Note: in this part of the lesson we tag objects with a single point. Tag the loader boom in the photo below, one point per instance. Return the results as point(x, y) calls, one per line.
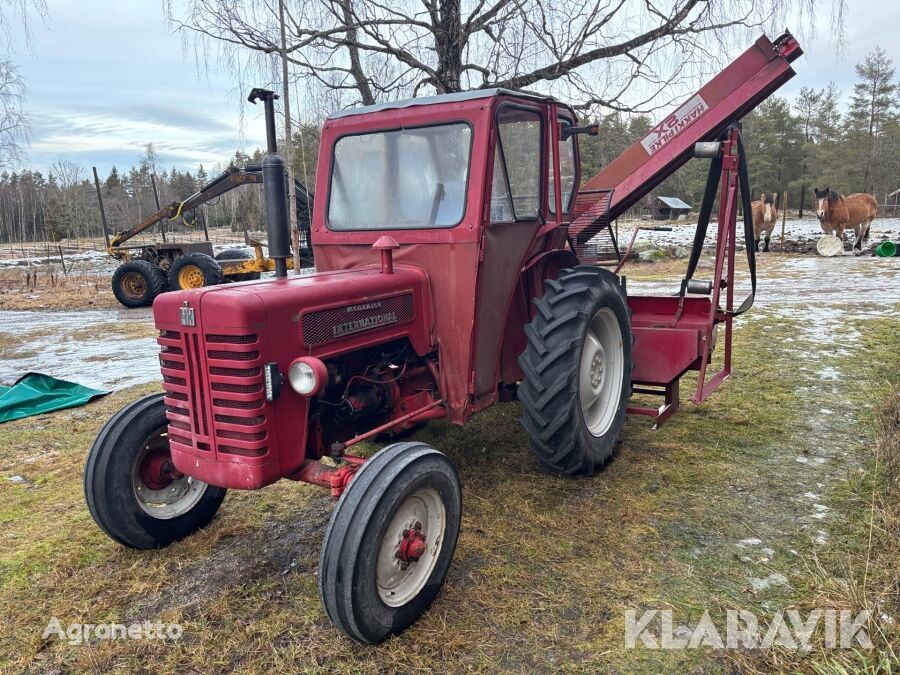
point(226, 181)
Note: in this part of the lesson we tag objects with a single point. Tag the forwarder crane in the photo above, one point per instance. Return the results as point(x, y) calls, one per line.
point(150, 269)
point(449, 277)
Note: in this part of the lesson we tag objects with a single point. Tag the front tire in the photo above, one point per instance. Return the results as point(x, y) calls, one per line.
point(132, 490)
point(577, 367)
point(389, 542)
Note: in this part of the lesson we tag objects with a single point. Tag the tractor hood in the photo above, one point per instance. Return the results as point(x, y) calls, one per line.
point(224, 347)
point(317, 314)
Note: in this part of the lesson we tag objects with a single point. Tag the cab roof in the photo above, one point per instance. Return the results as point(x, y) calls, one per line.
point(456, 97)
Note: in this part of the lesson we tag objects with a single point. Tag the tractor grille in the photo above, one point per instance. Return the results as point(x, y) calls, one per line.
point(214, 392)
point(332, 324)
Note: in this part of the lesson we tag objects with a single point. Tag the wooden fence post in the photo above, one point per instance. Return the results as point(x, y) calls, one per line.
point(62, 260)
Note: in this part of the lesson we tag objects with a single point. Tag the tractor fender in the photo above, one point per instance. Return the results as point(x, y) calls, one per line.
point(545, 265)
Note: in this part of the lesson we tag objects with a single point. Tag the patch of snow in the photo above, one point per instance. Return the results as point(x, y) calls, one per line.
point(100, 359)
point(774, 579)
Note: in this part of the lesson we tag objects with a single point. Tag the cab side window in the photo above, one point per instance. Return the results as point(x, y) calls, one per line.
point(516, 187)
point(566, 150)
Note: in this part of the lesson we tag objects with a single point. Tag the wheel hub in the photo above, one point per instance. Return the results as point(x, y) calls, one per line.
point(597, 369)
point(190, 276)
point(159, 488)
point(133, 285)
point(601, 372)
point(157, 470)
point(412, 545)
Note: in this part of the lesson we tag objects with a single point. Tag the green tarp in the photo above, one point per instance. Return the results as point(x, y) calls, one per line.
point(35, 394)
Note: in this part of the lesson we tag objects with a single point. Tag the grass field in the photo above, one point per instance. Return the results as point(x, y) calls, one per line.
point(545, 566)
point(767, 497)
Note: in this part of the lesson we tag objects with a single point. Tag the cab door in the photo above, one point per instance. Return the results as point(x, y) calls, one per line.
point(513, 215)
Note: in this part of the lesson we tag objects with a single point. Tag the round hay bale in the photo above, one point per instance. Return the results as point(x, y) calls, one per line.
point(829, 246)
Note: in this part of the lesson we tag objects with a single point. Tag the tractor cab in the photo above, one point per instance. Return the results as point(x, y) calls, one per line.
point(465, 186)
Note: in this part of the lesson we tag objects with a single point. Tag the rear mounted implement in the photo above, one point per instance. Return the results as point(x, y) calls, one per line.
point(453, 239)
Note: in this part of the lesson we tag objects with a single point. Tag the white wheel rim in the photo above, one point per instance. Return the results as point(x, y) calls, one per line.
point(174, 500)
point(400, 582)
point(601, 372)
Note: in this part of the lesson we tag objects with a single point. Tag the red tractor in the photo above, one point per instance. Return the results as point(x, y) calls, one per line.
point(451, 241)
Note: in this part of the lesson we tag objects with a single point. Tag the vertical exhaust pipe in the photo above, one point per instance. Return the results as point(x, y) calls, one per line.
point(274, 188)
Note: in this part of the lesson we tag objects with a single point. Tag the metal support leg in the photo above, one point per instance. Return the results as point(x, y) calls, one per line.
point(723, 278)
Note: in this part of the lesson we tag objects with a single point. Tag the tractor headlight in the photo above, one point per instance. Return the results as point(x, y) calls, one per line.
point(307, 375)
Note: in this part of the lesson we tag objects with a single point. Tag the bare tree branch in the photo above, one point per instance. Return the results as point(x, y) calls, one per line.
point(622, 55)
point(13, 120)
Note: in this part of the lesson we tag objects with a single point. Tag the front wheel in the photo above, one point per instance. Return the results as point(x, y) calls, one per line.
point(390, 540)
point(577, 366)
point(133, 491)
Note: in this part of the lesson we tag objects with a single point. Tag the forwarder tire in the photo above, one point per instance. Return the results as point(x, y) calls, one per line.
point(194, 270)
point(132, 493)
point(577, 371)
point(135, 283)
point(371, 589)
point(238, 253)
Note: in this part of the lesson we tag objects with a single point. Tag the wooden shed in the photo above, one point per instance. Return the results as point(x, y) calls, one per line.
point(669, 208)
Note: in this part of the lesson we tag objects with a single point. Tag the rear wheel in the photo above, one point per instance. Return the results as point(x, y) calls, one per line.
point(135, 283)
point(133, 491)
point(390, 540)
point(577, 367)
point(194, 270)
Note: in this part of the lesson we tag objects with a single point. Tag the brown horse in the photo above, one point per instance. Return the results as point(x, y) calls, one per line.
point(837, 213)
point(765, 214)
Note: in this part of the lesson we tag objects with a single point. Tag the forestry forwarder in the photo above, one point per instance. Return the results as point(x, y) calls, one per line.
point(149, 270)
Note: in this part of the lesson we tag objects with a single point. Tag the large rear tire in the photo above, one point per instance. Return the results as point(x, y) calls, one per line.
point(137, 282)
point(577, 367)
point(194, 270)
point(390, 541)
point(132, 490)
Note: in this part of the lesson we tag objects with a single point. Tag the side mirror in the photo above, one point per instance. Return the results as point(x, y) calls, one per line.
point(567, 132)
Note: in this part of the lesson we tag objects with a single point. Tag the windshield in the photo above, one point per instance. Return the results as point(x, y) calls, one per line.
point(402, 179)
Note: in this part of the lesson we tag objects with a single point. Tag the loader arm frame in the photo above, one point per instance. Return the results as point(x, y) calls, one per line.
point(226, 181)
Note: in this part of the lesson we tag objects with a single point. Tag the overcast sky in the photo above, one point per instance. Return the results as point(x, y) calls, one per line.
point(108, 77)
